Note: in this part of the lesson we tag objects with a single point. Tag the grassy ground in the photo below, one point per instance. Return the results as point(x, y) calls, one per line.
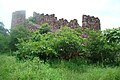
point(12, 69)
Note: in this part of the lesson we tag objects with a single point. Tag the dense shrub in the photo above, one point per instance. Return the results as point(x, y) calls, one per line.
point(4, 43)
point(64, 44)
point(3, 30)
point(100, 48)
point(32, 19)
point(67, 43)
point(4, 38)
point(113, 35)
point(16, 33)
point(44, 28)
point(10, 69)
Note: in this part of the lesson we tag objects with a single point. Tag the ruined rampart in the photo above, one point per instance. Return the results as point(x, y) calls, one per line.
point(91, 22)
point(19, 18)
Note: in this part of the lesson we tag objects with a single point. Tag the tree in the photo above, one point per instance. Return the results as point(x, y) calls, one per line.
point(2, 29)
point(16, 34)
point(44, 28)
point(31, 19)
point(113, 35)
point(63, 44)
point(103, 47)
point(4, 38)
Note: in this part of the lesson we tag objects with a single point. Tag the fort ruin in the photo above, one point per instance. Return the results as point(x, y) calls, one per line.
point(19, 18)
point(91, 22)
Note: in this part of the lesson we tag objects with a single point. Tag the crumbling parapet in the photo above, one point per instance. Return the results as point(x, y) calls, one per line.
point(74, 23)
point(18, 18)
point(91, 22)
point(53, 21)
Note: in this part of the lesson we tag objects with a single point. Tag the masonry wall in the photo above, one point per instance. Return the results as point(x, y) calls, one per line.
point(18, 18)
point(91, 22)
point(53, 21)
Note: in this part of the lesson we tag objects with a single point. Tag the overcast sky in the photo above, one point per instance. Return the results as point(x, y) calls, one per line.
point(108, 11)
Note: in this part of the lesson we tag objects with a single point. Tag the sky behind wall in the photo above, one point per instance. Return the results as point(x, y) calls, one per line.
point(108, 11)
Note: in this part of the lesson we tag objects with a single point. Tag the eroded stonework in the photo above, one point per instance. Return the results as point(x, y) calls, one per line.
point(53, 21)
point(91, 22)
point(18, 18)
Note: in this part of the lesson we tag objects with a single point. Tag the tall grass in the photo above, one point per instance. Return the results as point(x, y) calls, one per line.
point(11, 69)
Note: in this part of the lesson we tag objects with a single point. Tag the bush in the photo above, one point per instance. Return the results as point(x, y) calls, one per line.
point(68, 43)
point(4, 43)
point(11, 69)
point(64, 44)
point(112, 35)
point(32, 19)
point(17, 33)
point(4, 38)
point(100, 49)
point(45, 28)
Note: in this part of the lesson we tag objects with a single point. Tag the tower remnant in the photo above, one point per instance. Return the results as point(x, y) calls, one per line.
point(18, 18)
point(91, 22)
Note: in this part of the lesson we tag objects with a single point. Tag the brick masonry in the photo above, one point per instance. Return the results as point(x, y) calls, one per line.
point(53, 21)
point(19, 18)
point(91, 22)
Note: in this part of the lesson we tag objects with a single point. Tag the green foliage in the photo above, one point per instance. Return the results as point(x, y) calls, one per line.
point(11, 69)
point(100, 49)
point(44, 28)
point(31, 19)
point(3, 30)
point(4, 43)
point(16, 34)
point(112, 35)
point(67, 43)
point(4, 38)
point(64, 43)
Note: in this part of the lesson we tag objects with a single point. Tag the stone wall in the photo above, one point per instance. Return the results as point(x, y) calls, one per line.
point(18, 18)
point(53, 21)
point(91, 22)
point(31, 26)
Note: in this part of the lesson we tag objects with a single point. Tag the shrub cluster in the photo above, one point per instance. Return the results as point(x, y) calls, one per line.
point(101, 48)
point(63, 44)
point(67, 43)
point(4, 38)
